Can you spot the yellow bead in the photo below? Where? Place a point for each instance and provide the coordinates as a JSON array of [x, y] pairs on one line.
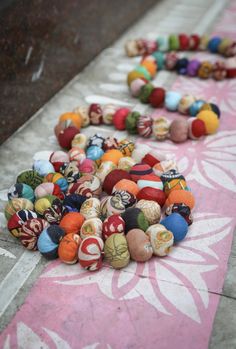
[[134, 75], [210, 119]]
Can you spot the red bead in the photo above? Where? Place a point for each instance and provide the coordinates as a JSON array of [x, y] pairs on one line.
[[66, 136], [144, 126], [119, 118], [157, 97], [95, 114], [231, 73], [198, 128], [149, 193], [114, 177], [194, 42], [183, 42], [150, 160]]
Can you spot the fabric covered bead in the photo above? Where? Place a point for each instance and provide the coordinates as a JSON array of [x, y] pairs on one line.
[[119, 118], [203, 42], [72, 119], [116, 251], [77, 154], [135, 74], [192, 68], [185, 103], [43, 167], [111, 205], [140, 248], [113, 224], [219, 71], [91, 227], [128, 199], [224, 44], [49, 240], [195, 107], [17, 204], [179, 130], [58, 158], [182, 209], [180, 197], [152, 194], [68, 248], [163, 43], [205, 70], [136, 85], [230, 65], [126, 185], [87, 185], [58, 179], [150, 65], [157, 97], [83, 113], [31, 230], [211, 106], [95, 114], [177, 225], [14, 224], [131, 122], [172, 100], [71, 172], [140, 151], [174, 42], [88, 166], [108, 111], [143, 70], [43, 203], [145, 93], [150, 160], [55, 212], [134, 218], [110, 143], [181, 66], [210, 119], [196, 128], [112, 178], [104, 169], [151, 210], [90, 208], [213, 44], [66, 136], [79, 141], [90, 253], [73, 202], [164, 166], [161, 128], [131, 48], [161, 239], [113, 155], [96, 140], [139, 170], [144, 126], [183, 42], [21, 190], [126, 147], [194, 41], [231, 50], [29, 177], [126, 163], [150, 181], [171, 60], [72, 222], [159, 58], [94, 153]]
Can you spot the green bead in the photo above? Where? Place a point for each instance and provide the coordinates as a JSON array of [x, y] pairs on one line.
[[173, 42], [141, 69], [159, 58], [142, 221], [145, 92], [30, 177], [131, 122]]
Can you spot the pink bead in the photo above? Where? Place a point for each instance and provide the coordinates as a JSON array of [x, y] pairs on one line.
[[136, 85]]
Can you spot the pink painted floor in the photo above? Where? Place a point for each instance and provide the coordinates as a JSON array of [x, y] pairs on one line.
[[164, 303]]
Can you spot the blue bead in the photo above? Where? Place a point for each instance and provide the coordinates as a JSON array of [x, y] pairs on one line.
[[49, 240], [177, 225], [94, 153], [163, 43], [213, 44], [195, 107], [172, 100], [62, 182], [43, 167], [160, 59]]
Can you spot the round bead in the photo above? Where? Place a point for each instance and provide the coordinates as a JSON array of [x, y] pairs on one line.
[[96, 140], [139, 170], [31, 230], [114, 177], [161, 128], [95, 114], [83, 113], [210, 119], [145, 92], [58, 158], [72, 119], [66, 136], [179, 130], [172, 100], [195, 107], [113, 155], [180, 197], [135, 74], [79, 141], [131, 122], [87, 185], [68, 248], [144, 126], [174, 42], [49, 240], [196, 128], [161, 239], [164, 166], [108, 111], [193, 66], [58, 179], [181, 66], [91, 227], [153, 194], [14, 224], [29, 177], [134, 218], [213, 44], [94, 153], [119, 118], [90, 208], [219, 71], [73, 202], [183, 42], [110, 143], [194, 42], [21, 190], [43, 167], [160, 59], [48, 189], [151, 210], [163, 43], [211, 106], [71, 172], [90, 253], [126, 163], [183, 210], [185, 103], [177, 225], [104, 169], [150, 65], [55, 212], [88, 166], [126, 146], [116, 251], [72, 222], [126, 185], [157, 97], [128, 199], [171, 60], [205, 70], [113, 224], [136, 85], [17, 204], [140, 248]]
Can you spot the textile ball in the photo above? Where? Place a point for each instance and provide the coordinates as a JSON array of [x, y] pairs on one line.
[[21, 190], [91, 227], [139, 245], [161, 128], [131, 122], [159, 57], [83, 112], [66, 136], [136, 85], [231, 52], [116, 251], [73, 202], [43, 167], [114, 177], [134, 218], [150, 65], [179, 130], [144, 126], [17, 204], [68, 248], [171, 60], [153, 194], [195, 107], [219, 71], [96, 140], [29, 177], [111, 205], [76, 154], [211, 106], [151, 210], [49, 240], [177, 225], [126, 185], [58, 179], [174, 43], [170, 175], [183, 42], [31, 230], [142, 183], [110, 143], [126, 146], [182, 209], [213, 44], [145, 92], [196, 128], [193, 66], [90, 253], [73, 118], [181, 66], [139, 170], [175, 184], [181, 197], [161, 239], [164, 166], [134, 75], [55, 212], [140, 151], [72, 222], [127, 199], [143, 70], [205, 70], [225, 42], [88, 183], [113, 224], [91, 208], [113, 155], [79, 141], [42, 204], [108, 111], [95, 114], [94, 153], [150, 160], [58, 158], [88, 166], [172, 100], [14, 225], [185, 103], [119, 118], [163, 43], [230, 64], [157, 97], [126, 163], [104, 169], [48, 189], [194, 41], [210, 119], [71, 172], [203, 42]]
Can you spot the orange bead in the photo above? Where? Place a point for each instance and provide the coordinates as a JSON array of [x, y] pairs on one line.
[[113, 155], [127, 185], [68, 248], [150, 66], [76, 119], [180, 197], [72, 222]]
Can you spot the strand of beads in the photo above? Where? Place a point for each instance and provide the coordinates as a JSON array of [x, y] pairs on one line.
[[77, 208], [153, 52]]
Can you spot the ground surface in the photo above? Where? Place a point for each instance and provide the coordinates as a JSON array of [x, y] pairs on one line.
[[175, 301]]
